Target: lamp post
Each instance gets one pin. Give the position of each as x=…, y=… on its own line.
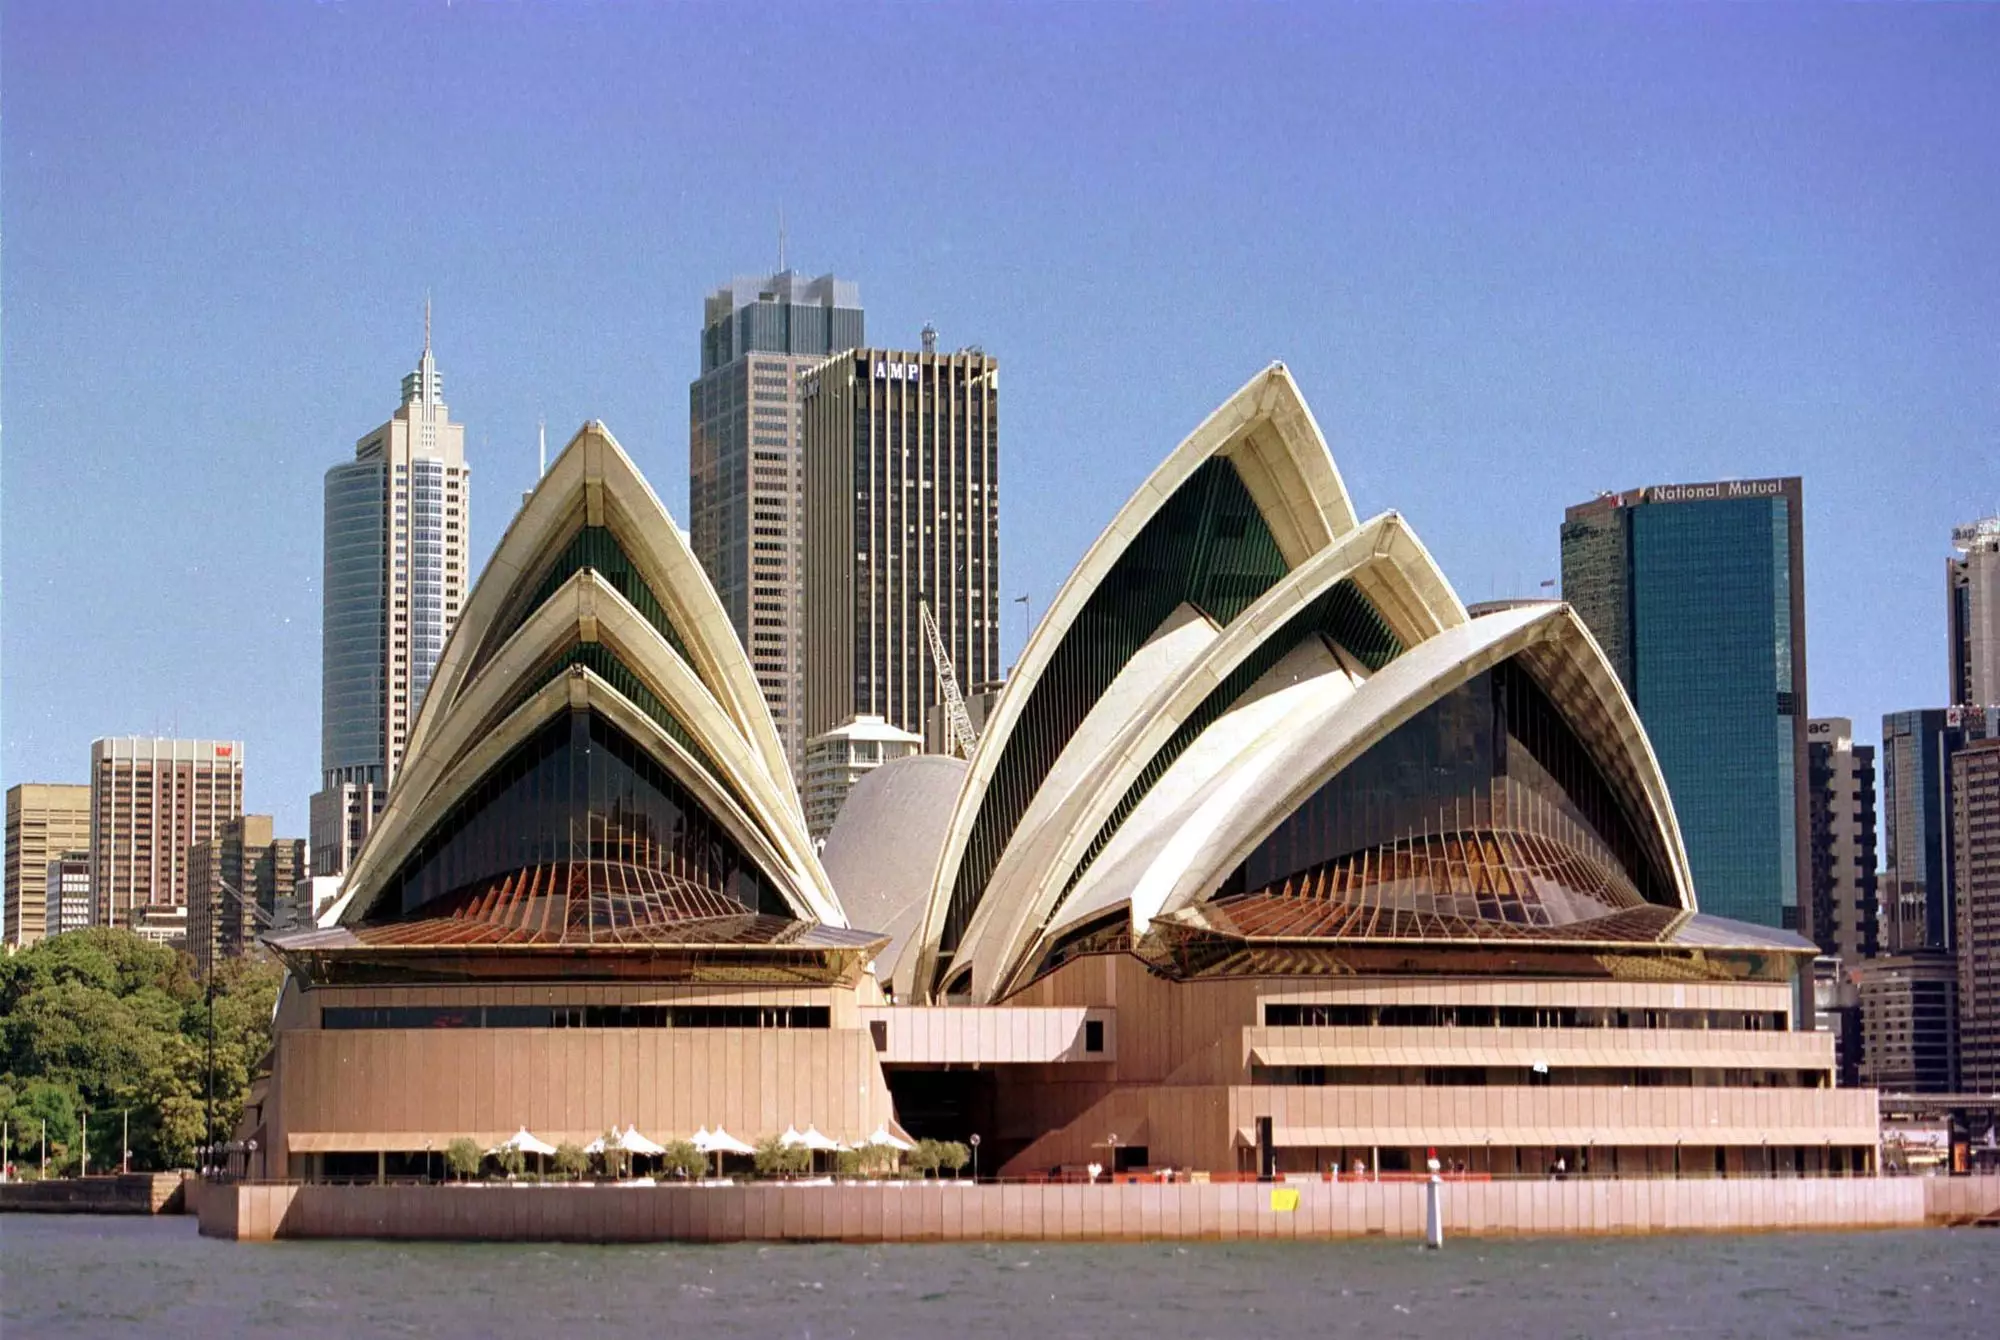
x=975, y=1158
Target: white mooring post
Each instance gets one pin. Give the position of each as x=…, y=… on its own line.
x=1434, y=1206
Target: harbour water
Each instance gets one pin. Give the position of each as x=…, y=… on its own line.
x=106, y=1278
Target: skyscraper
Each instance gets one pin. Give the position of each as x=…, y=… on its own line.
x=746, y=480
x=1975, y=823
x=1696, y=592
x=150, y=802
x=902, y=507
x=44, y=820
x=398, y=530
x=1842, y=792
x=1972, y=612
x=1916, y=895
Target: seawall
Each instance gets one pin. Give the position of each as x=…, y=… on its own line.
x=124, y=1193
x=959, y=1212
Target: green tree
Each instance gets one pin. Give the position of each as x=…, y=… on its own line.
x=776, y=1160
x=30, y=1105
x=120, y=1024
x=462, y=1156
x=511, y=1160
x=953, y=1156
x=925, y=1158
x=683, y=1160
x=570, y=1160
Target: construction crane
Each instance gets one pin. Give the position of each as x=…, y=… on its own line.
x=959, y=735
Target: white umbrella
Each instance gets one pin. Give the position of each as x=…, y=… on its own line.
x=596, y=1146
x=526, y=1143
x=814, y=1140
x=882, y=1137
x=792, y=1137
x=635, y=1143
x=722, y=1142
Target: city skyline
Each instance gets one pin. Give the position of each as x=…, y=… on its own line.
x=1784, y=282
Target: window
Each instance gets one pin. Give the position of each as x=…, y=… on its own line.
x=1093, y=1035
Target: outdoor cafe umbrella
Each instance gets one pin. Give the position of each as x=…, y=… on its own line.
x=883, y=1137
x=634, y=1143
x=527, y=1144
x=719, y=1142
x=819, y=1143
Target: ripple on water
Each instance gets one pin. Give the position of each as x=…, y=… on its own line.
x=108, y=1279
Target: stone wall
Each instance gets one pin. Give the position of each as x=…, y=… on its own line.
x=126, y=1193
x=947, y=1212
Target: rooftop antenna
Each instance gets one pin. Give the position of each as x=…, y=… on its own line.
x=542, y=457
x=781, y=239
x=427, y=320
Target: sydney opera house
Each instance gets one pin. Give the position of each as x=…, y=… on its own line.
x=1272, y=856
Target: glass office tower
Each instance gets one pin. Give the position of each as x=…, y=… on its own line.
x=1919, y=905
x=398, y=539
x=1697, y=594
x=746, y=471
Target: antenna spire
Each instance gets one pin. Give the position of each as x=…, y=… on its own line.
x=427, y=320
x=543, y=467
x=781, y=239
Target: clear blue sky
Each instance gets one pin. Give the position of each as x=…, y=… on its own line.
x=1514, y=255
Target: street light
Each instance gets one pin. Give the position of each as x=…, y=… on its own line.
x=975, y=1158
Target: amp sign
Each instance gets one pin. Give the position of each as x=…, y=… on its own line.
x=886, y=371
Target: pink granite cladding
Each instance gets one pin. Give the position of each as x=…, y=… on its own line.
x=917, y=1212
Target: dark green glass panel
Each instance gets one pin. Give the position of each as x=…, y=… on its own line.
x=605, y=663
x=1207, y=546
x=1342, y=616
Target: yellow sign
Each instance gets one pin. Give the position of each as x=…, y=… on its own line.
x=1284, y=1199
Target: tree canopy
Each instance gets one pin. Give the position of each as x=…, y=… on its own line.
x=107, y=1022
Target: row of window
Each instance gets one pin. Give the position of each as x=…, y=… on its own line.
x=1596, y=1077
x=575, y=1016
x=1278, y=1015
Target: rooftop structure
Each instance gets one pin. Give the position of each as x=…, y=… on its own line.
x=837, y=759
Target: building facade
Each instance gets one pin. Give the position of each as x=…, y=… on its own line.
x=1975, y=825
x=1271, y=856
x=838, y=759
x=1909, y=1023
x=902, y=509
x=591, y=898
x=398, y=537
x=68, y=906
x=44, y=819
x=1696, y=592
x=1972, y=612
x=242, y=864
x=746, y=465
x=1841, y=777
x=151, y=801
x=1916, y=894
